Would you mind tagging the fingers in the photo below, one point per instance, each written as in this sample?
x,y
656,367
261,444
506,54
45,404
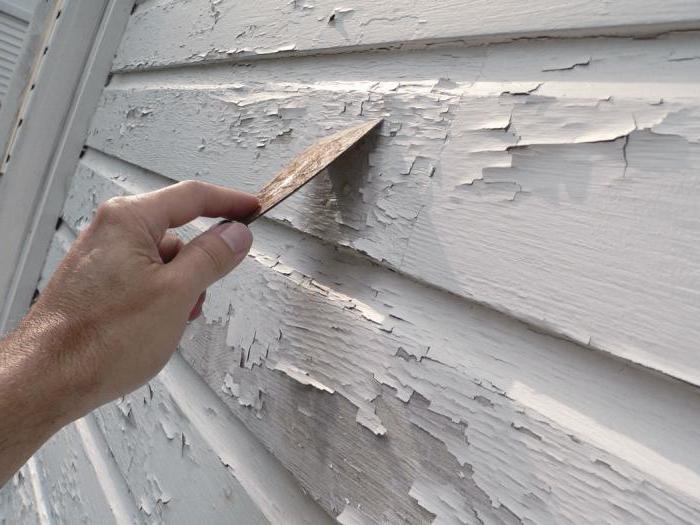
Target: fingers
x,y
185,201
169,247
211,255
197,308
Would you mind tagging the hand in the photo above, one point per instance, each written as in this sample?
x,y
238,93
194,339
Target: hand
x,y
116,307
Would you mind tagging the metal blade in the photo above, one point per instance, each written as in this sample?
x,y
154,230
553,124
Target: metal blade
x,y
307,165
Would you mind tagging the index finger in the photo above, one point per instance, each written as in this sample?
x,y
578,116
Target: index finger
x,y
185,201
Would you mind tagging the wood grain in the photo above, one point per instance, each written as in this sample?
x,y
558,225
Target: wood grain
x,y
456,387
514,179
307,165
165,33
464,321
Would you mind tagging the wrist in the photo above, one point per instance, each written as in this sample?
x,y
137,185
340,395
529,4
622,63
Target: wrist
x,y
33,402
36,377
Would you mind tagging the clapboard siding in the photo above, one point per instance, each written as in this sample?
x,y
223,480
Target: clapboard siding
x,y
404,401
461,322
18,503
168,467
164,33
548,180
73,483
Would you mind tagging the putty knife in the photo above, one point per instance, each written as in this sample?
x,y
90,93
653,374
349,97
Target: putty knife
x,y
307,165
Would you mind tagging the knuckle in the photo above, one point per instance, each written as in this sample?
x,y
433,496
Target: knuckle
x,y
192,185
112,209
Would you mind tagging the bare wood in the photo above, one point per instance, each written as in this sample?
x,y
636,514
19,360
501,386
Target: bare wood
x,y
307,165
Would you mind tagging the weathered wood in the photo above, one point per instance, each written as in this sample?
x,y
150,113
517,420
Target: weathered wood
x,y
72,484
166,33
530,203
552,180
17,503
387,395
167,465
307,165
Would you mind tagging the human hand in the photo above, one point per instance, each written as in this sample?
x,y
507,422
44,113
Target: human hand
x,y
116,307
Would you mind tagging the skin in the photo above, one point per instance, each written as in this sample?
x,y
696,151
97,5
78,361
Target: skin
x,y
114,310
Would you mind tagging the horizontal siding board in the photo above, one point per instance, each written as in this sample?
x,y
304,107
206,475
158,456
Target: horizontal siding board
x,y
17,503
536,426
174,476
572,207
166,33
71,484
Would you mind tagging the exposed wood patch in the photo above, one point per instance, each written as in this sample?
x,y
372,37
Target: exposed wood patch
x,y
307,164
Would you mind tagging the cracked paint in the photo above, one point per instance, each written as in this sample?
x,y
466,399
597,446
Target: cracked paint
x,y
408,335
416,350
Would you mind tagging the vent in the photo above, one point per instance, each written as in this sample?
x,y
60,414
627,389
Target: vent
x,y
14,22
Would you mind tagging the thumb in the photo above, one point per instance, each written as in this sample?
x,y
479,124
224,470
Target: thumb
x,y
213,254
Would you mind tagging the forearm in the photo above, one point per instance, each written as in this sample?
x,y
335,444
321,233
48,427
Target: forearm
x,y
34,397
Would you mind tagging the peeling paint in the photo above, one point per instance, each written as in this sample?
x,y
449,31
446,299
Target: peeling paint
x,y
430,352
389,337
463,152
301,376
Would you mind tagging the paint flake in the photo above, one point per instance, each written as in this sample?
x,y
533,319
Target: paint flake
x,y
301,376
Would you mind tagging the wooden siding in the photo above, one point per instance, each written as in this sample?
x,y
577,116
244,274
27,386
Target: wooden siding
x,y
486,314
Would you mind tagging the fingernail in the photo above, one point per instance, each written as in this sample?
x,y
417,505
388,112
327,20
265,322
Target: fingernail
x,y
236,235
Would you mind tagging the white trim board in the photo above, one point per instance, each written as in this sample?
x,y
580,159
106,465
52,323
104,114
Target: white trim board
x,y
45,151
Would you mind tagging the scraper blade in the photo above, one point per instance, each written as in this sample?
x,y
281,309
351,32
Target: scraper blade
x,y
307,165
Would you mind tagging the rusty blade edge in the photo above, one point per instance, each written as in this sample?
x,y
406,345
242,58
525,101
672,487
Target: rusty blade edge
x,y
360,131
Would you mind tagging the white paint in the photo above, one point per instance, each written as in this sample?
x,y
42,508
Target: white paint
x,y
17,503
107,474
459,324
38,491
163,34
527,203
501,399
14,27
